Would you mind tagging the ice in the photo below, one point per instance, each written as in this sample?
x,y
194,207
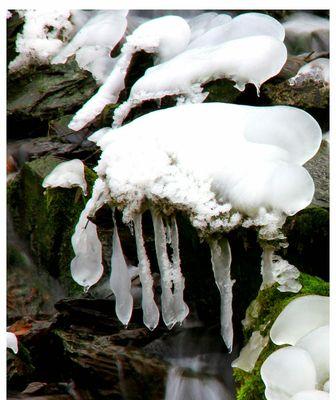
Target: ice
x,y
150,310
167,299
104,30
267,267
221,263
154,36
248,24
12,342
317,70
67,174
181,308
250,353
120,281
205,21
252,59
86,267
275,269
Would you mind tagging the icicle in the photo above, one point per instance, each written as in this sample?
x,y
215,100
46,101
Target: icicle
x,y
120,280
150,310
167,299
221,262
86,267
267,267
181,308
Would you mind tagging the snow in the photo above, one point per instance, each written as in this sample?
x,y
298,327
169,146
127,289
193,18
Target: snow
x,y
67,174
317,70
150,310
120,280
253,59
154,36
150,158
221,263
93,43
12,342
39,40
250,353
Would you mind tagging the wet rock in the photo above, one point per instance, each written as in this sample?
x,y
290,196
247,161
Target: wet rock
x,y
101,369
42,93
318,167
46,221
309,94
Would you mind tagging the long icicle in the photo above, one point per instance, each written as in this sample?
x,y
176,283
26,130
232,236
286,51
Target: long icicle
x,y
151,314
221,263
120,280
181,308
167,299
267,266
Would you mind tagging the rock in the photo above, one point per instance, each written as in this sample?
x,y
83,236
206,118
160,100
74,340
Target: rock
x,y
308,94
318,167
14,26
270,303
41,93
46,222
101,369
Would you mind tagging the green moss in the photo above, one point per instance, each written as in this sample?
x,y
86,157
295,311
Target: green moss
x,y
47,220
270,303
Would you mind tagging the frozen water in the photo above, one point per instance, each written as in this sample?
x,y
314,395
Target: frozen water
x,y
120,280
221,265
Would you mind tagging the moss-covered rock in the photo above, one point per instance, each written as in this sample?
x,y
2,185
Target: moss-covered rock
x,y
261,315
47,221
308,94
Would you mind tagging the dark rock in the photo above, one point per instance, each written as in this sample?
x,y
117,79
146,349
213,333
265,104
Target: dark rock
x,y
318,167
41,93
103,370
46,221
14,26
309,94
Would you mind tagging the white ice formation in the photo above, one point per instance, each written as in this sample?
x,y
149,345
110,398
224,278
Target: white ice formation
x,y
246,49
300,371
208,168
94,42
67,174
317,70
275,269
86,267
120,280
154,36
251,352
295,321
12,342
